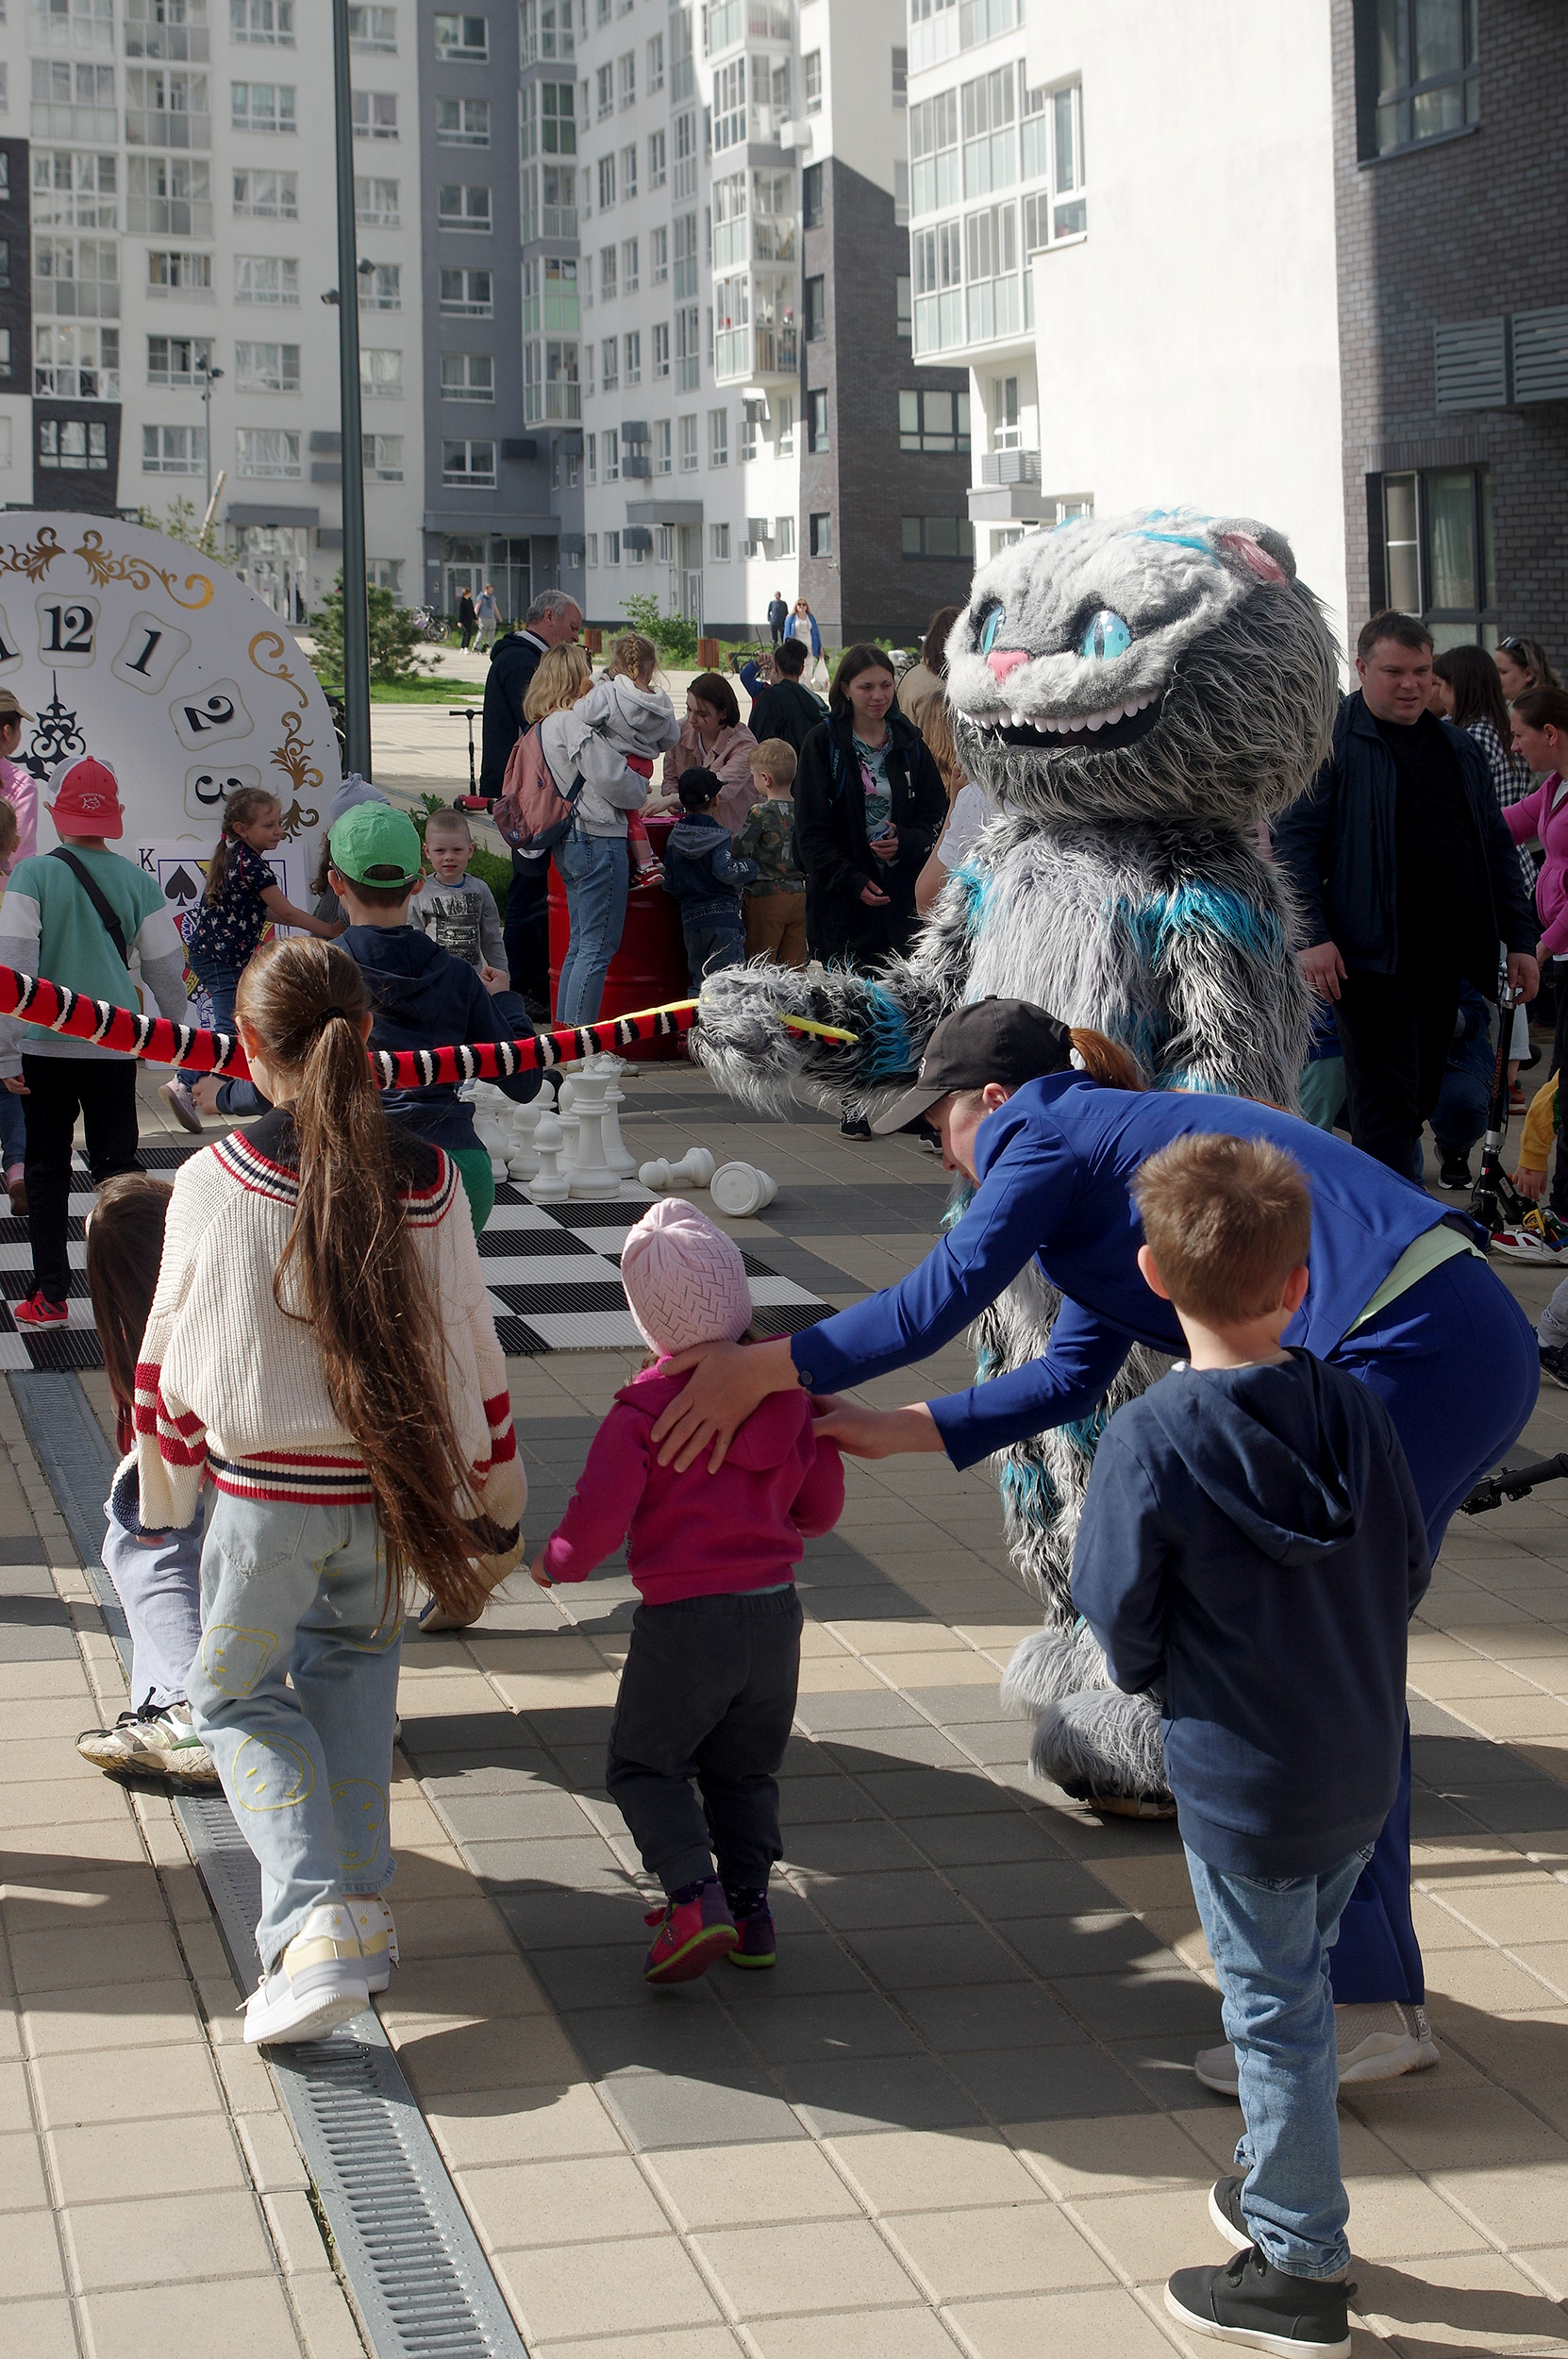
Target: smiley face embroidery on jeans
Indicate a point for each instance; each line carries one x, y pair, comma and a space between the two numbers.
235, 1660
271, 1773
360, 1815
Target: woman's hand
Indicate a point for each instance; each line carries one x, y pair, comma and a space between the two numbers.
886, 845
1530, 1184
16, 1085
728, 1381
876, 1433
874, 896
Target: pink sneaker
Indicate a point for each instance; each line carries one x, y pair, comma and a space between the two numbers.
692, 1934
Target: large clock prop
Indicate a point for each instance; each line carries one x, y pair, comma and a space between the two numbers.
134, 648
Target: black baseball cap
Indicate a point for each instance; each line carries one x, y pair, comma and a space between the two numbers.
1008, 1041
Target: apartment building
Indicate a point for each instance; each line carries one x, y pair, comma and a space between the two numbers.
1123, 224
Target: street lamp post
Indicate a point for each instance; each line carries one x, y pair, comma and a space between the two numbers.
209, 376
355, 623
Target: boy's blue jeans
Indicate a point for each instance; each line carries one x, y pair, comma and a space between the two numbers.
712, 942
1269, 1938
292, 1591
221, 983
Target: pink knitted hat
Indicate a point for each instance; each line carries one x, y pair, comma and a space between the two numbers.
685, 1280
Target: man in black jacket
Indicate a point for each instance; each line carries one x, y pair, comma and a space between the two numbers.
552, 620
1408, 881
779, 614
786, 708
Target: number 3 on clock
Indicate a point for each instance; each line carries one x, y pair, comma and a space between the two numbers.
67, 632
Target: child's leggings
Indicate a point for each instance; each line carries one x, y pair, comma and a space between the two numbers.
297, 1591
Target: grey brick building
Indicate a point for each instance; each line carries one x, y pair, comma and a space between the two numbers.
1453, 280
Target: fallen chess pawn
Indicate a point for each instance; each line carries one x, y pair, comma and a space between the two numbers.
695, 1170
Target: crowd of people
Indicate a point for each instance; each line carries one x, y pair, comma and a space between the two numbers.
313, 1410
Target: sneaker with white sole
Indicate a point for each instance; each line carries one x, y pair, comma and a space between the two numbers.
177, 1097
1251, 2303
154, 1741
318, 1983
1376, 2043
378, 1933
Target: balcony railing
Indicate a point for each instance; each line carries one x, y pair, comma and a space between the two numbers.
149, 127
1009, 467
549, 221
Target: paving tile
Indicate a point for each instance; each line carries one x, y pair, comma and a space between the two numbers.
856, 1847
97, 2163
516, 2205
22, 2181
973, 1839
149, 2323
546, 2123
785, 2269
1458, 2302
16, 2113
753, 2186
892, 2092
1477, 2128
444, 2059
165, 2240
73, 1959
1092, 2325
616, 2288
1124, 2006
1006, 2015
936, 1957
657, 2110
919, 1898
1011, 2249
1103, 2156
789, 2030
1041, 2081
44, 2329
908, 2170
1396, 2219
141, 2015
686, 2342
1518, 2207
907, 2333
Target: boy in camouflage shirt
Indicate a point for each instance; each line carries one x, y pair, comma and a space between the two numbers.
776, 904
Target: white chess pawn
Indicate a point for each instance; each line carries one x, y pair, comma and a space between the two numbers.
655, 1174
617, 1155
550, 1186
591, 1173
493, 1140
522, 1161
697, 1167
740, 1190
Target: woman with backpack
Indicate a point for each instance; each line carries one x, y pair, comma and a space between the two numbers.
870, 805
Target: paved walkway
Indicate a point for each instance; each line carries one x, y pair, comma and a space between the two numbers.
960, 2116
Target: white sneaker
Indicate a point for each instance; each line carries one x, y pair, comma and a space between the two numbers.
183, 1106
318, 1983
378, 1931
151, 1741
1376, 2043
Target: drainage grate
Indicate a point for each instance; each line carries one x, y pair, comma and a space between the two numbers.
419, 2277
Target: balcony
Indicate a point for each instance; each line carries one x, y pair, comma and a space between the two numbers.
1009, 467
146, 127
744, 355
549, 221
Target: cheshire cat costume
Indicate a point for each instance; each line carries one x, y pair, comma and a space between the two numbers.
1134, 694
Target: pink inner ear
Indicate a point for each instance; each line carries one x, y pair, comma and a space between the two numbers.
1254, 556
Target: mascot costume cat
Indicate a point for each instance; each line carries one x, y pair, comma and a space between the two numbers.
1136, 695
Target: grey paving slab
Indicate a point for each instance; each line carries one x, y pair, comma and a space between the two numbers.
680, 2030
657, 2110
562, 1863
878, 2093
931, 1957
1056, 2085
1107, 1942
918, 1897
906, 1794
550, 1919
787, 2028
979, 1838
861, 1709
1037, 1887
957, 2020
523, 1810
861, 1847
1143, 2005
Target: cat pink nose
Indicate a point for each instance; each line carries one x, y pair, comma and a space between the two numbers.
1005, 659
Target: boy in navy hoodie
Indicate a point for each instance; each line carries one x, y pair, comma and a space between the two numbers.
1252, 1549
703, 874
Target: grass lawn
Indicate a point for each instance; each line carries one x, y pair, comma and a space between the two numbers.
423, 692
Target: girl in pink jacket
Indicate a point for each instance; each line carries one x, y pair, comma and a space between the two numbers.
1540, 734
709, 1689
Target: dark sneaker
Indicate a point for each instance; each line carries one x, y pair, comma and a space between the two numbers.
756, 1945
1252, 2303
852, 1126
1225, 2210
692, 1934
38, 1311
1554, 1364
1454, 1174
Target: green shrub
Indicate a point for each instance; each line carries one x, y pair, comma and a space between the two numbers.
674, 635
392, 643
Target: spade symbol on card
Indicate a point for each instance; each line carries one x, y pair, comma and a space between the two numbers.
181, 887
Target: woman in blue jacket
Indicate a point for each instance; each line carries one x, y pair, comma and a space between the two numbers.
1399, 1295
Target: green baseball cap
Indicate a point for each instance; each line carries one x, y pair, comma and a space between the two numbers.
374, 844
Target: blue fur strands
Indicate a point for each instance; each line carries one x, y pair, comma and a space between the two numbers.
1161, 925
1029, 1492
887, 1052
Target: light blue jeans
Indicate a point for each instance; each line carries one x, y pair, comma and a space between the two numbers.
594, 869
158, 1582
1270, 1940
296, 1592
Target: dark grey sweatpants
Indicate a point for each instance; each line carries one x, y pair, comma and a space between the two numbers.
708, 1692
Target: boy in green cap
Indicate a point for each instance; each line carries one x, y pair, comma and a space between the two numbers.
424, 998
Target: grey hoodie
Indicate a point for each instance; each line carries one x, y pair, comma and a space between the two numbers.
616, 718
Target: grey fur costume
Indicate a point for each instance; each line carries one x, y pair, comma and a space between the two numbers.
1135, 695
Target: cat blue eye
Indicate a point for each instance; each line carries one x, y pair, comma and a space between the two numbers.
1104, 637
992, 624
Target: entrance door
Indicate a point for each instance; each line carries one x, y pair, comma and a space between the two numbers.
691, 571
274, 562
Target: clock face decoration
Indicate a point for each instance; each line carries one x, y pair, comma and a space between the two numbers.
126, 645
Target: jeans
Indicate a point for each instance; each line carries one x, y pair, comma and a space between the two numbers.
595, 872
158, 1584
1269, 1938
712, 942
707, 1693
221, 983
526, 929
294, 1592
13, 1129
104, 1088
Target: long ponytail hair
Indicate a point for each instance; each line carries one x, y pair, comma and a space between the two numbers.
357, 1273
245, 804
1104, 1060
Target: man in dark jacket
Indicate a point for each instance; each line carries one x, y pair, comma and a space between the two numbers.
552, 620
1408, 881
779, 614
786, 707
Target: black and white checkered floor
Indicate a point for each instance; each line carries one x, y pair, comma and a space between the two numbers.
552, 1271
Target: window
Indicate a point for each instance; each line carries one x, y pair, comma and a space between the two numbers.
607, 182
374, 114
816, 310
462, 39
177, 360
816, 422
593, 540
610, 441
72, 190
990, 147
4, 422
1053, 152
77, 362
659, 257
1006, 431
627, 78
467, 377
266, 368
990, 254
550, 293
906, 310
657, 175
275, 197
75, 277
629, 253
634, 359
469, 462
72, 444
810, 196
464, 207
749, 419
381, 287
72, 101
938, 536
785, 412
784, 536
686, 256
466, 294
268, 450
655, 62
685, 183
373, 32
179, 271
386, 573
265, 24
380, 374
592, 458
689, 445
265, 279
383, 459
820, 540
1416, 73
604, 88
547, 29
262, 106
934, 422
169, 195
628, 172
934, 174
1432, 541
663, 462
174, 450
462, 122
718, 543
718, 438
609, 376
811, 68
550, 382
662, 350
612, 548
687, 350
609, 285
900, 78
729, 106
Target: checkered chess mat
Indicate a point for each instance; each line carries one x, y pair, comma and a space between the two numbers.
552, 1272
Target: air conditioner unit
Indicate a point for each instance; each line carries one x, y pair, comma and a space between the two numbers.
1472, 358
759, 527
